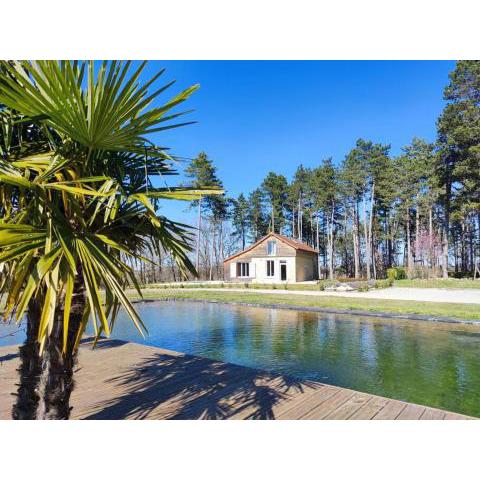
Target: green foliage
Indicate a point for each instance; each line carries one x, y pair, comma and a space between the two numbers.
240, 219
76, 204
363, 287
396, 273
275, 189
257, 218
203, 174
386, 283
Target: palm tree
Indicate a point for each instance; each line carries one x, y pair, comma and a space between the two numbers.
77, 208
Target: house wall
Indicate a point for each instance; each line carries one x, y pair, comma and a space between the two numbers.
255, 257
301, 266
306, 267
261, 269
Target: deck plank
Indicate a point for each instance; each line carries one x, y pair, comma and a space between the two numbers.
326, 407
343, 412
369, 409
390, 411
432, 414
411, 412
126, 380
309, 403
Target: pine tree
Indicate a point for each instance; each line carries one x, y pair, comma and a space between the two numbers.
324, 187
459, 147
202, 173
257, 218
275, 189
240, 218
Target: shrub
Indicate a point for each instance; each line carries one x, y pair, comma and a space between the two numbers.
321, 285
388, 282
363, 287
396, 273
245, 285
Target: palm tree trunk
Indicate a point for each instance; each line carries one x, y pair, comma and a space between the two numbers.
46, 381
25, 407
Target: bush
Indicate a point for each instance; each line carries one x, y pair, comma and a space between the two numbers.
396, 273
383, 283
363, 287
460, 275
246, 285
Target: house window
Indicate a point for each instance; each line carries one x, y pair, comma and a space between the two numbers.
272, 248
243, 269
270, 268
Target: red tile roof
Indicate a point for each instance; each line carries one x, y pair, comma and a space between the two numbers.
289, 241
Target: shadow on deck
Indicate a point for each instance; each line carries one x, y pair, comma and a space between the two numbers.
187, 387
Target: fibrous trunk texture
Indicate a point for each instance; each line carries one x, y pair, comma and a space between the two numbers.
46, 380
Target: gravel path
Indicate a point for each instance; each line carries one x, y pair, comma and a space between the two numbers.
393, 293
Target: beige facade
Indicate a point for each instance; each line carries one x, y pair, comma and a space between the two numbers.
273, 259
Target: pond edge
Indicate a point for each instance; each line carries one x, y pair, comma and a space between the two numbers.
281, 306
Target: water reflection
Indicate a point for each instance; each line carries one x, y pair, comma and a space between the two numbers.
422, 362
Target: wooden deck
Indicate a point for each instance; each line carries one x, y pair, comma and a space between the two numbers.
120, 380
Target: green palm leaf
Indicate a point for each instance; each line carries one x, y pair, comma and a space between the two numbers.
75, 210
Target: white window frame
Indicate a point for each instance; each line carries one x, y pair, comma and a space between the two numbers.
273, 244
270, 272
242, 269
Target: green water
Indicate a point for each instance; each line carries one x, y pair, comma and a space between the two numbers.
432, 364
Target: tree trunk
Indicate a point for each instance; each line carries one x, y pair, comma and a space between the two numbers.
409, 246
199, 224
430, 239
318, 245
356, 243
46, 381
446, 229
417, 233
370, 236
293, 222
330, 232
365, 234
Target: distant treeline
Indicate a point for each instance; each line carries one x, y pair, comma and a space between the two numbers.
372, 211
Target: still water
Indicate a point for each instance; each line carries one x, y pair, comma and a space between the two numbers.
423, 362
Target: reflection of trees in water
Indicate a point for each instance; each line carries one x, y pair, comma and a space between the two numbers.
419, 362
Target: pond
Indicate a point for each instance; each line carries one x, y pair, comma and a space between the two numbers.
434, 364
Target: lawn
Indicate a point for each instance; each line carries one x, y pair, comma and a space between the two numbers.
264, 286
453, 310
439, 283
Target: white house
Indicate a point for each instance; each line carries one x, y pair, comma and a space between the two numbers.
274, 258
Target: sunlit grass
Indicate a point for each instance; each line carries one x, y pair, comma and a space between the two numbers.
453, 310
439, 283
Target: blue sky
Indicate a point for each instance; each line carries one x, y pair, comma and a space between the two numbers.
257, 116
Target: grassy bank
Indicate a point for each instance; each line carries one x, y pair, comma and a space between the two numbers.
439, 283
463, 312
451, 283
252, 286
321, 285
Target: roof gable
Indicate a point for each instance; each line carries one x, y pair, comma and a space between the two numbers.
288, 241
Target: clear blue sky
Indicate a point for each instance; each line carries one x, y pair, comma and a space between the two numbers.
257, 116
